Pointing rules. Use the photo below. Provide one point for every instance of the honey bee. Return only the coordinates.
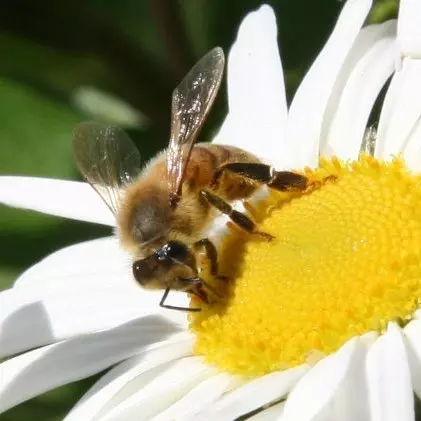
(163, 210)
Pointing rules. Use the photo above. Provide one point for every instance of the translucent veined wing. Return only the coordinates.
(191, 102)
(107, 159)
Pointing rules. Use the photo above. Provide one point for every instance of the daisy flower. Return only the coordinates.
(319, 324)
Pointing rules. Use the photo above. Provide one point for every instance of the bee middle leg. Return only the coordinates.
(194, 286)
(238, 218)
(265, 174)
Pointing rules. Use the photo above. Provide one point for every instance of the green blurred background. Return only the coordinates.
(117, 61)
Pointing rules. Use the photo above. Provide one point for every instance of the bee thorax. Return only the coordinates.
(150, 220)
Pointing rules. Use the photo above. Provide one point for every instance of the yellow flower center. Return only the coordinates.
(345, 261)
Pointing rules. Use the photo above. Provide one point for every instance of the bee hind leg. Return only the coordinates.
(238, 218)
(265, 174)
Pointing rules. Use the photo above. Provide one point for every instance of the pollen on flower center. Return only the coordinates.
(346, 260)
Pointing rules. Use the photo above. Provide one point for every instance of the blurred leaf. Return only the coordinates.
(107, 108)
(35, 138)
(7, 274)
(55, 73)
(29, 243)
(134, 18)
(196, 16)
(383, 10)
(51, 406)
(77, 27)
(35, 133)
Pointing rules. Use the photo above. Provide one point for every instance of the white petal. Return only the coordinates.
(204, 394)
(413, 340)
(351, 401)
(127, 378)
(315, 391)
(69, 199)
(274, 413)
(37, 371)
(358, 88)
(369, 338)
(253, 395)
(385, 145)
(401, 110)
(389, 379)
(92, 281)
(32, 317)
(409, 28)
(83, 262)
(256, 93)
(308, 107)
(27, 323)
(161, 390)
(412, 152)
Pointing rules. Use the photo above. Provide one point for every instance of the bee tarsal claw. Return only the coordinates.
(264, 235)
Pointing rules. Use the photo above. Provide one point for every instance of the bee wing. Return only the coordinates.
(191, 102)
(107, 159)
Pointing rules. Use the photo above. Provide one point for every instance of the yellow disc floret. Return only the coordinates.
(346, 259)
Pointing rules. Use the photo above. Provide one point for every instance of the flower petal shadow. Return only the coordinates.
(26, 328)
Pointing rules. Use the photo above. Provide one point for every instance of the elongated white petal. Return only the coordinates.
(412, 152)
(204, 394)
(351, 401)
(319, 386)
(401, 110)
(386, 146)
(161, 390)
(306, 114)
(274, 413)
(85, 262)
(409, 28)
(29, 320)
(128, 377)
(69, 199)
(389, 378)
(368, 38)
(37, 371)
(369, 338)
(256, 93)
(413, 340)
(370, 64)
(417, 315)
(91, 280)
(253, 395)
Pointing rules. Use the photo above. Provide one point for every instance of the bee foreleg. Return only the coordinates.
(265, 174)
(170, 307)
(211, 254)
(238, 218)
(196, 288)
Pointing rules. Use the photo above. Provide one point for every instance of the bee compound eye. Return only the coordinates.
(175, 251)
(138, 268)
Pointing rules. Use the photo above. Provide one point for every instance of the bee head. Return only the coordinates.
(170, 261)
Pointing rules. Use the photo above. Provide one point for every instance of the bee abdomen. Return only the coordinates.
(230, 186)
